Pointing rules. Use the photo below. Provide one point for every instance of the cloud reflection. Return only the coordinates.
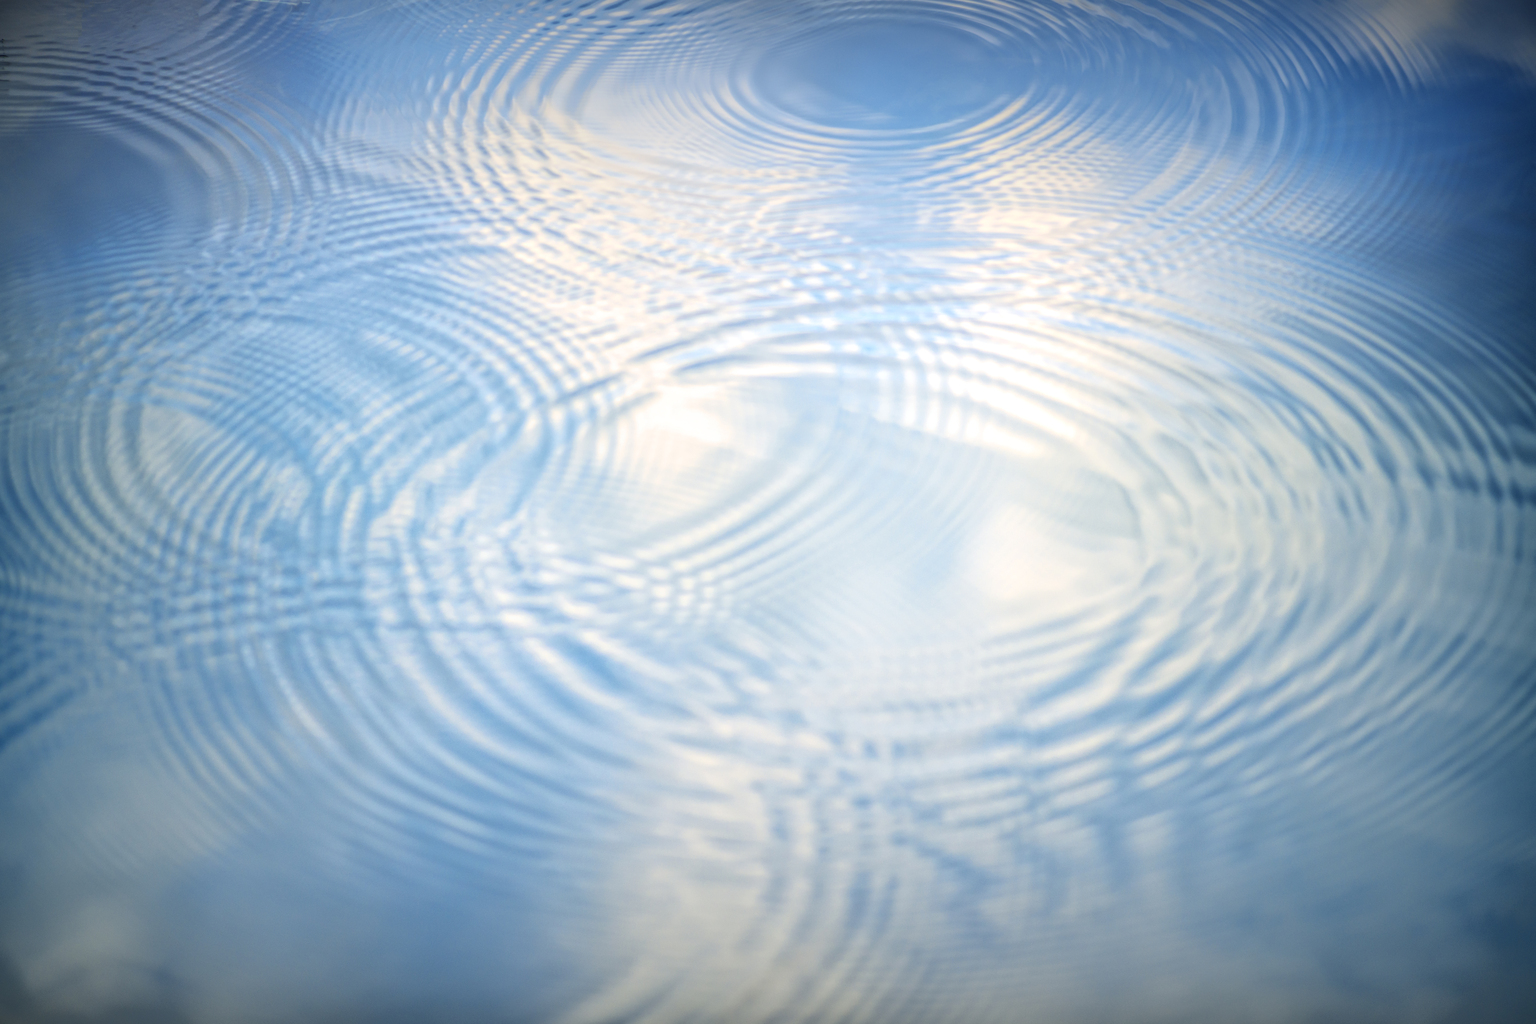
(915, 511)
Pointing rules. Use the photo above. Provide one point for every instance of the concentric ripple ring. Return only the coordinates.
(658, 511)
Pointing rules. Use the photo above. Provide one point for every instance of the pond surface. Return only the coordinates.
(889, 511)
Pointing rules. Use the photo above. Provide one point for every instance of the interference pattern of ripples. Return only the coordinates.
(824, 510)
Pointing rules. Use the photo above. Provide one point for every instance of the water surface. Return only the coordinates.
(891, 511)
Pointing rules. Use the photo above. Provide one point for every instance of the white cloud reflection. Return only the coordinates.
(875, 595)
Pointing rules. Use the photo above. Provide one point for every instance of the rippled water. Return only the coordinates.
(891, 511)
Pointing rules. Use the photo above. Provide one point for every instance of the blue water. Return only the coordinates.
(826, 511)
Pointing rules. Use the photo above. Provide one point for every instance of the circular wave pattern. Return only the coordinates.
(717, 135)
(899, 505)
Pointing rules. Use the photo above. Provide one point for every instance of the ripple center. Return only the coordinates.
(884, 75)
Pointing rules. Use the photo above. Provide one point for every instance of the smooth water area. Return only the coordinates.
(767, 511)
